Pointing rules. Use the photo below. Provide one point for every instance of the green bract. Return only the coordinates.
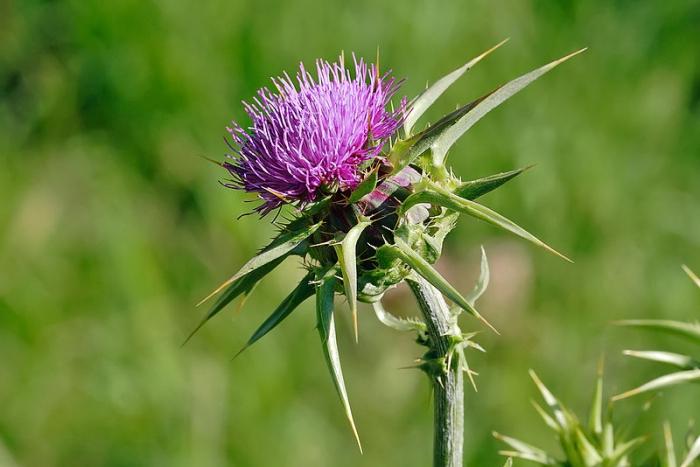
(390, 228)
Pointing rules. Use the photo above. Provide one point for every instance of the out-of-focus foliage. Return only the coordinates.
(596, 443)
(112, 227)
(687, 370)
(687, 366)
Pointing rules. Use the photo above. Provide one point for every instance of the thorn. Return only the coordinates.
(489, 325)
(353, 310)
(239, 352)
(213, 161)
(691, 274)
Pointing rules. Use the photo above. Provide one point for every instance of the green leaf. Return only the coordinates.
(406, 254)
(681, 361)
(692, 275)
(393, 322)
(693, 454)
(365, 187)
(437, 195)
(493, 100)
(302, 291)
(347, 258)
(326, 329)
(431, 94)
(509, 462)
(483, 282)
(524, 450)
(475, 188)
(241, 286)
(689, 330)
(281, 246)
(406, 151)
(665, 381)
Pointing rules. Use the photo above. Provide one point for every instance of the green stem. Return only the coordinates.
(448, 384)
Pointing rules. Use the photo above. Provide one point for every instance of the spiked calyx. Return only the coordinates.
(383, 223)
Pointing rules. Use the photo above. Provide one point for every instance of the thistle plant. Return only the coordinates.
(368, 201)
(687, 370)
(596, 443)
(688, 366)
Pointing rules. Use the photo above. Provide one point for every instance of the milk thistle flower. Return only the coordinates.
(311, 137)
(371, 202)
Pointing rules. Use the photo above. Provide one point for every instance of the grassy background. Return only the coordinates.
(111, 227)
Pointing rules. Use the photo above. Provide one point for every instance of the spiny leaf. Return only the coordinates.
(242, 285)
(406, 151)
(281, 246)
(681, 361)
(437, 195)
(302, 291)
(422, 267)
(692, 275)
(347, 258)
(493, 100)
(693, 454)
(393, 322)
(690, 330)
(365, 187)
(524, 450)
(326, 329)
(475, 188)
(661, 382)
(430, 95)
(483, 282)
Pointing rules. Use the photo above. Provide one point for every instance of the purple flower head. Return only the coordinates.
(313, 135)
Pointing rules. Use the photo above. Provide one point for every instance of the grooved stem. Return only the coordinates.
(448, 391)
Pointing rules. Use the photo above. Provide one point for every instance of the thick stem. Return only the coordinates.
(448, 385)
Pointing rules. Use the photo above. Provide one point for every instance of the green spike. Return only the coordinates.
(405, 253)
(439, 196)
(442, 144)
(281, 246)
(595, 419)
(431, 94)
(241, 286)
(473, 189)
(662, 382)
(325, 291)
(691, 274)
(689, 330)
(668, 443)
(483, 282)
(347, 258)
(300, 293)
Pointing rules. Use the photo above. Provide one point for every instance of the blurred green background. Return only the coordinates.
(112, 226)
